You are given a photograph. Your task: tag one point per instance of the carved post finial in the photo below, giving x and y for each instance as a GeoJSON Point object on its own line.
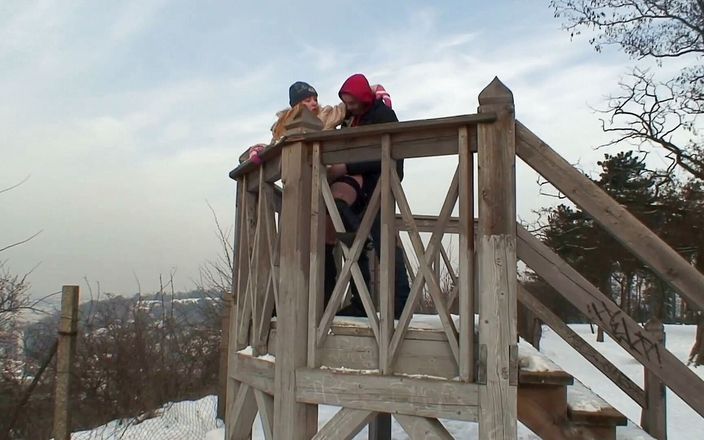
{"type": "Point", "coordinates": [496, 93]}
{"type": "Point", "coordinates": [302, 121]}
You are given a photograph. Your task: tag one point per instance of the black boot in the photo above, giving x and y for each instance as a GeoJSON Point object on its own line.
{"type": "Point", "coordinates": [351, 221]}
{"type": "Point", "coordinates": [330, 272]}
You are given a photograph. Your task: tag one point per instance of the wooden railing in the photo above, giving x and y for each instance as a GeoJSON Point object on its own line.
{"type": "Point", "coordinates": [280, 236]}
{"type": "Point", "coordinates": [281, 217]}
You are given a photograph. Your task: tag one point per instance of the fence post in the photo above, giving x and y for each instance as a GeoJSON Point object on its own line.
{"type": "Point", "coordinates": [498, 350]}
{"type": "Point", "coordinates": [654, 415]}
{"type": "Point", "coordinates": [294, 420]}
{"type": "Point", "coordinates": [68, 326]}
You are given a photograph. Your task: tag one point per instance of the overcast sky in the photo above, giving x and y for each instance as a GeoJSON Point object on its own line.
{"type": "Point", "coordinates": [127, 116]}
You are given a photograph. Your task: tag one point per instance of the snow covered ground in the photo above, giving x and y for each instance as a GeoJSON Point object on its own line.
{"type": "Point", "coordinates": [682, 421]}
{"type": "Point", "coordinates": [192, 420]}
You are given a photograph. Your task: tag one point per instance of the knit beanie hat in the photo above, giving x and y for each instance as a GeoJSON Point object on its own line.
{"type": "Point", "coordinates": [300, 91]}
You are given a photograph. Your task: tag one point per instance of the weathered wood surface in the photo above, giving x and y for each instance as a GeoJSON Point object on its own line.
{"type": "Point", "coordinates": [255, 372]}
{"type": "Point", "coordinates": [292, 419]}
{"type": "Point", "coordinates": [244, 410]}
{"type": "Point", "coordinates": [423, 138]}
{"type": "Point", "coordinates": [424, 261]}
{"type": "Point", "coordinates": [581, 346]}
{"type": "Point", "coordinates": [387, 259]}
{"type": "Point", "coordinates": [423, 428]}
{"type": "Point", "coordinates": [65, 353]}
{"type": "Point", "coordinates": [351, 266]}
{"type": "Point", "coordinates": [616, 219]}
{"type": "Point", "coordinates": [419, 280]}
{"type": "Point", "coordinates": [416, 356]}
{"type": "Point", "coordinates": [465, 287]}
{"type": "Point", "coordinates": [380, 428]}
{"type": "Point", "coordinates": [244, 260]}
{"type": "Point", "coordinates": [318, 222]}
{"type": "Point", "coordinates": [607, 315]}
{"type": "Point", "coordinates": [654, 414]}
{"type": "Point", "coordinates": [265, 406]}
{"type": "Point", "coordinates": [240, 277]}
{"type": "Point", "coordinates": [396, 394]}
{"type": "Point", "coordinates": [497, 264]}
{"type": "Point", "coordinates": [345, 424]}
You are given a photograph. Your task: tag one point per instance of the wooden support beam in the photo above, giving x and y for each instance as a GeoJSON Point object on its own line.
{"type": "Point", "coordinates": [292, 419]}
{"type": "Point", "coordinates": [466, 251]}
{"type": "Point", "coordinates": [599, 309]}
{"type": "Point", "coordinates": [404, 395]}
{"type": "Point", "coordinates": [583, 347]}
{"type": "Point", "coordinates": [380, 428]}
{"type": "Point", "coordinates": [423, 428]}
{"type": "Point", "coordinates": [654, 414]}
{"type": "Point", "coordinates": [615, 218]}
{"type": "Point", "coordinates": [65, 354]}
{"type": "Point", "coordinates": [265, 405]}
{"type": "Point", "coordinates": [497, 265]}
{"type": "Point", "coordinates": [318, 222]}
{"type": "Point", "coordinates": [256, 373]}
{"type": "Point", "coordinates": [345, 424]}
{"type": "Point", "coordinates": [244, 410]}
{"type": "Point", "coordinates": [429, 354]}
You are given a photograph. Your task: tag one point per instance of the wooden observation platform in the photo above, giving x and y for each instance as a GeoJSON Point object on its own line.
{"type": "Point", "coordinates": [463, 363]}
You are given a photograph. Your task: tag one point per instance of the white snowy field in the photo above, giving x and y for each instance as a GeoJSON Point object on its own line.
{"type": "Point", "coordinates": [194, 420]}
{"type": "Point", "coordinates": [682, 421]}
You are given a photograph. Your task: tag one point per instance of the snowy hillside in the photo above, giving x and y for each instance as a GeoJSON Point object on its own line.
{"type": "Point", "coordinates": [196, 419]}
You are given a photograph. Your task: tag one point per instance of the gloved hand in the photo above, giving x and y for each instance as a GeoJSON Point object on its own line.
{"type": "Point", "coordinates": [381, 93]}
{"type": "Point", "coordinates": [255, 152]}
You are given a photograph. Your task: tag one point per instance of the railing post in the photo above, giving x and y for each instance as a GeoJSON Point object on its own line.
{"type": "Point", "coordinates": [497, 265]}
{"type": "Point", "coordinates": [654, 415]}
{"type": "Point", "coordinates": [294, 420]}
{"type": "Point", "coordinates": [66, 350]}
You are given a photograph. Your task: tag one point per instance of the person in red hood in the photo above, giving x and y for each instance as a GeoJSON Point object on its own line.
{"type": "Point", "coordinates": [353, 183]}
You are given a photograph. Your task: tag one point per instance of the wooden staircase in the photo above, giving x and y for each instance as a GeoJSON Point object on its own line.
{"type": "Point", "coordinates": [556, 406]}
{"type": "Point", "coordinates": [449, 372]}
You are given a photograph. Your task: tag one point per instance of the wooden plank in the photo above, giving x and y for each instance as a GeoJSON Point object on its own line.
{"type": "Point", "coordinates": [423, 428]}
{"type": "Point", "coordinates": [262, 300]}
{"type": "Point", "coordinates": [292, 420]}
{"type": "Point", "coordinates": [387, 258]}
{"type": "Point", "coordinates": [244, 409]}
{"type": "Point", "coordinates": [424, 268]}
{"type": "Point", "coordinates": [654, 414]}
{"type": "Point", "coordinates": [466, 250]}
{"type": "Point", "coordinates": [361, 137]}
{"type": "Point", "coordinates": [380, 428]}
{"type": "Point", "coordinates": [416, 356]}
{"type": "Point", "coordinates": [351, 266]}
{"type": "Point", "coordinates": [426, 223]}
{"type": "Point", "coordinates": [256, 373]}
{"type": "Point", "coordinates": [378, 130]}
{"type": "Point", "coordinates": [419, 280]}
{"type": "Point", "coordinates": [613, 217]}
{"type": "Point", "coordinates": [408, 145]}
{"type": "Point", "coordinates": [598, 308]}
{"type": "Point", "coordinates": [244, 306]}
{"type": "Point", "coordinates": [240, 276]}
{"type": "Point", "coordinates": [400, 395]}
{"type": "Point", "coordinates": [316, 301]}
{"type": "Point", "coordinates": [265, 405]}
{"type": "Point", "coordinates": [271, 168]}
{"type": "Point", "coordinates": [581, 346]}
{"type": "Point", "coordinates": [497, 263]}
{"type": "Point", "coordinates": [345, 424]}
{"type": "Point", "coordinates": [65, 354]}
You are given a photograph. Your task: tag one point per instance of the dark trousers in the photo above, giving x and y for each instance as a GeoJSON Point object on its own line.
{"type": "Point", "coordinates": [402, 287]}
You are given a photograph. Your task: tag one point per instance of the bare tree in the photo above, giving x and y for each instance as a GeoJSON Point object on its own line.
{"type": "Point", "coordinates": [650, 112]}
